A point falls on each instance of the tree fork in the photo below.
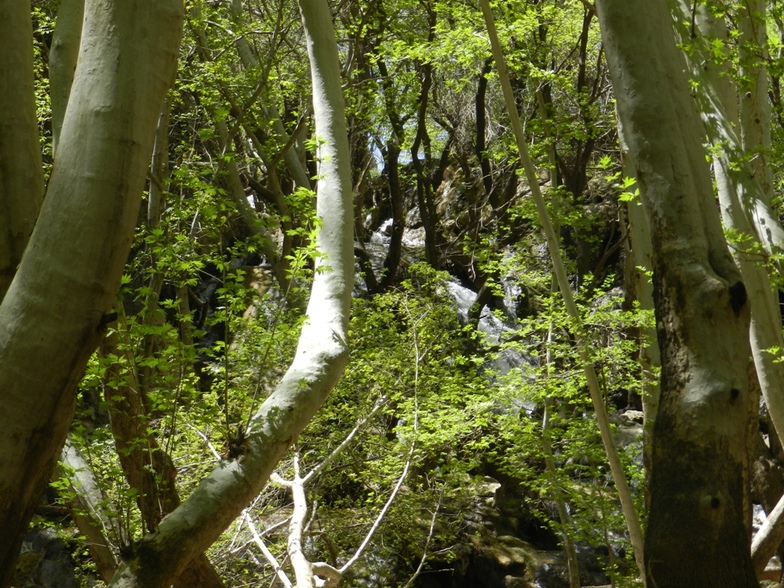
(321, 354)
(71, 268)
(696, 535)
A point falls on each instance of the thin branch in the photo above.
(303, 572)
(206, 440)
(266, 531)
(553, 245)
(381, 514)
(267, 553)
(332, 577)
(409, 458)
(418, 571)
(343, 444)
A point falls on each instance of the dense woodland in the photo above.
(495, 423)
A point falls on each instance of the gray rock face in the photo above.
(45, 562)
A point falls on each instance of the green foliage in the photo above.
(206, 328)
(553, 378)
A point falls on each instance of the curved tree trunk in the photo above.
(58, 305)
(696, 534)
(320, 358)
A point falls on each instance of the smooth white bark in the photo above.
(740, 196)
(63, 56)
(755, 110)
(768, 538)
(744, 195)
(55, 311)
(638, 278)
(696, 533)
(320, 357)
(754, 104)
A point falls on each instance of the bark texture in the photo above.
(21, 176)
(319, 360)
(58, 305)
(696, 534)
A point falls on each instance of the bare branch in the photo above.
(267, 553)
(331, 457)
(418, 571)
(331, 576)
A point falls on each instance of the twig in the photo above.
(267, 553)
(343, 444)
(413, 578)
(381, 514)
(303, 571)
(409, 459)
(206, 440)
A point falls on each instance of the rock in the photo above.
(45, 562)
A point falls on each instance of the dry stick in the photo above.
(284, 579)
(297, 487)
(361, 549)
(304, 570)
(343, 444)
(624, 494)
(768, 538)
(418, 357)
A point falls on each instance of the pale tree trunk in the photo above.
(696, 534)
(744, 194)
(295, 167)
(56, 308)
(319, 360)
(21, 175)
(741, 197)
(755, 122)
(559, 270)
(88, 511)
(639, 263)
(321, 574)
(62, 61)
(754, 103)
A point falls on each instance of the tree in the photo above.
(321, 354)
(696, 534)
(59, 299)
(483, 393)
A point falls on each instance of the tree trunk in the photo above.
(21, 175)
(148, 469)
(740, 196)
(578, 326)
(696, 534)
(63, 57)
(639, 287)
(318, 363)
(88, 512)
(58, 305)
